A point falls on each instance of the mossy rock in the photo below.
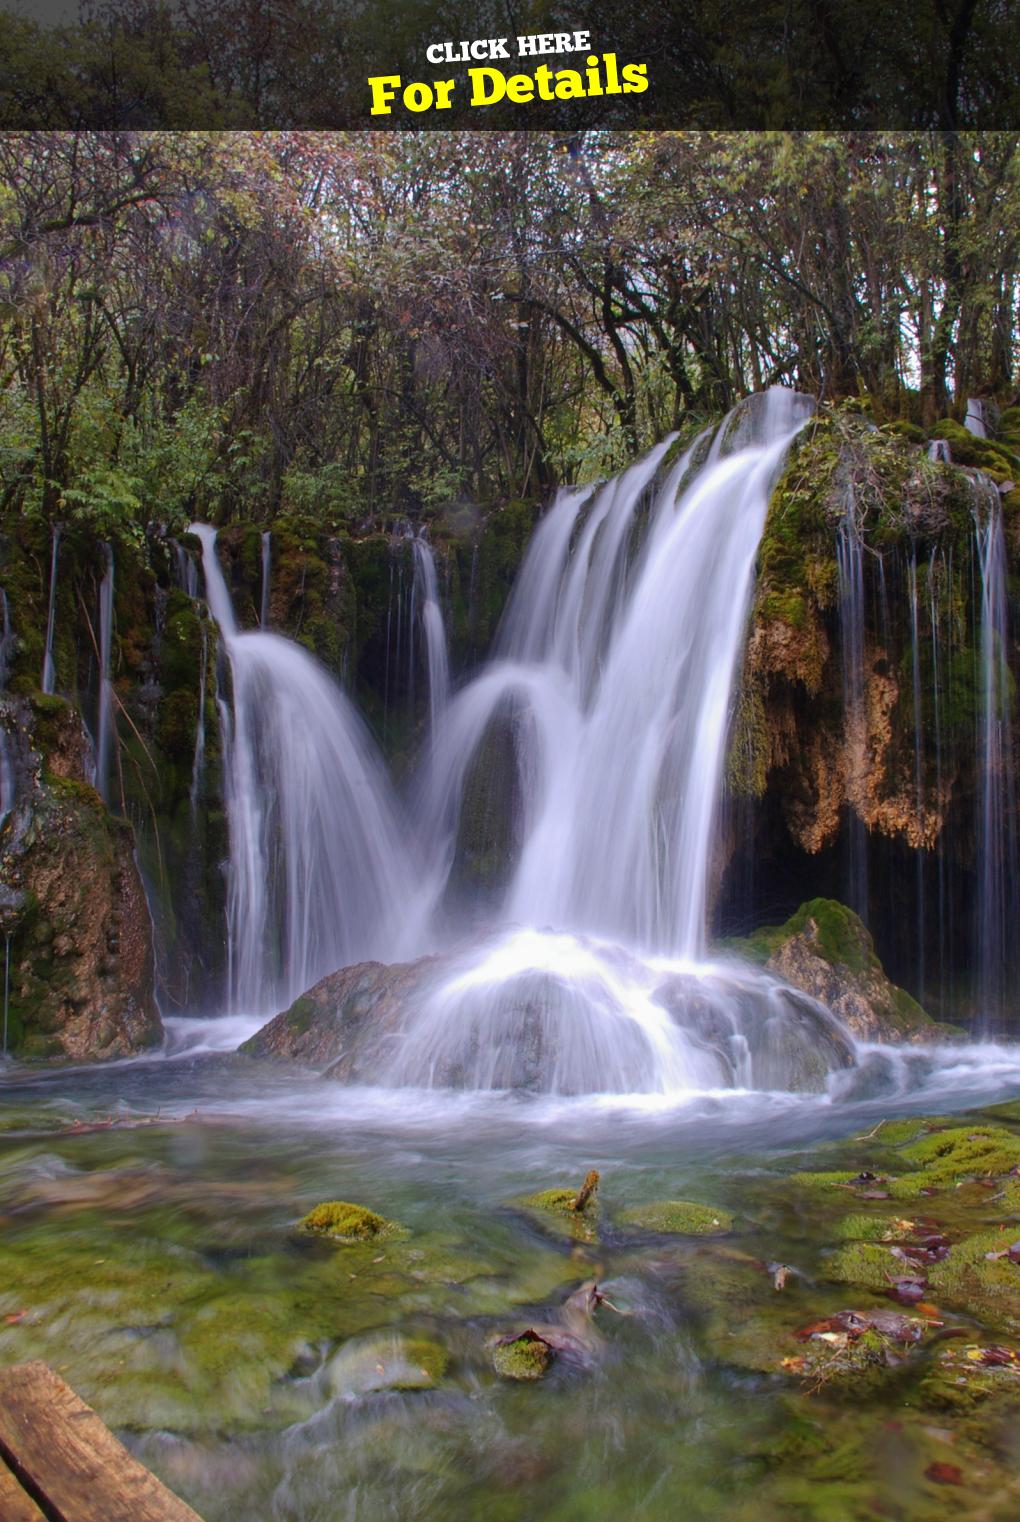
(988, 455)
(678, 1218)
(390, 1362)
(903, 429)
(343, 1222)
(825, 950)
(558, 1208)
(525, 1358)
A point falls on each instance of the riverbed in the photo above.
(152, 1254)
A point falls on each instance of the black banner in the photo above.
(397, 64)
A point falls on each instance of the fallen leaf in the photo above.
(13, 1317)
(908, 1290)
(943, 1474)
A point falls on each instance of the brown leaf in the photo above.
(998, 1358)
(943, 1474)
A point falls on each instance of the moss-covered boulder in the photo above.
(825, 950)
(336, 1024)
(81, 963)
(570, 1211)
(344, 1222)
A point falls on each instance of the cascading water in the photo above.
(997, 842)
(433, 629)
(850, 569)
(106, 721)
(974, 419)
(8, 776)
(187, 570)
(613, 675)
(267, 554)
(49, 671)
(6, 639)
(616, 663)
(319, 873)
(198, 761)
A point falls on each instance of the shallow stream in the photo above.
(263, 1373)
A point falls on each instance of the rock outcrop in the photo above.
(825, 951)
(325, 1028)
(73, 905)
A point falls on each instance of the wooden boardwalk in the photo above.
(59, 1463)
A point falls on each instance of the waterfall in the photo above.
(8, 776)
(938, 450)
(198, 764)
(426, 588)
(187, 570)
(319, 872)
(850, 572)
(6, 639)
(49, 673)
(974, 420)
(915, 679)
(106, 727)
(997, 843)
(267, 542)
(614, 669)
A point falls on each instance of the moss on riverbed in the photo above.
(677, 1218)
(179, 1299)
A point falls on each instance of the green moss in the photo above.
(989, 455)
(301, 1015)
(946, 1158)
(525, 1358)
(678, 1217)
(556, 1208)
(821, 1181)
(344, 1222)
(902, 429)
(865, 1264)
(557, 1201)
(840, 938)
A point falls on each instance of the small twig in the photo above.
(869, 1134)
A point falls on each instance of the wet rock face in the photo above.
(825, 950)
(322, 1027)
(81, 965)
(456, 1021)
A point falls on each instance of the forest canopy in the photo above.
(355, 325)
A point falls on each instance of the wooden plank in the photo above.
(69, 1461)
(16, 1505)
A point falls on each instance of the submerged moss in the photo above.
(679, 1218)
(345, 1222)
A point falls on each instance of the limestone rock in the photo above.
(320, 1028)
(826, 951)
(81, 964)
